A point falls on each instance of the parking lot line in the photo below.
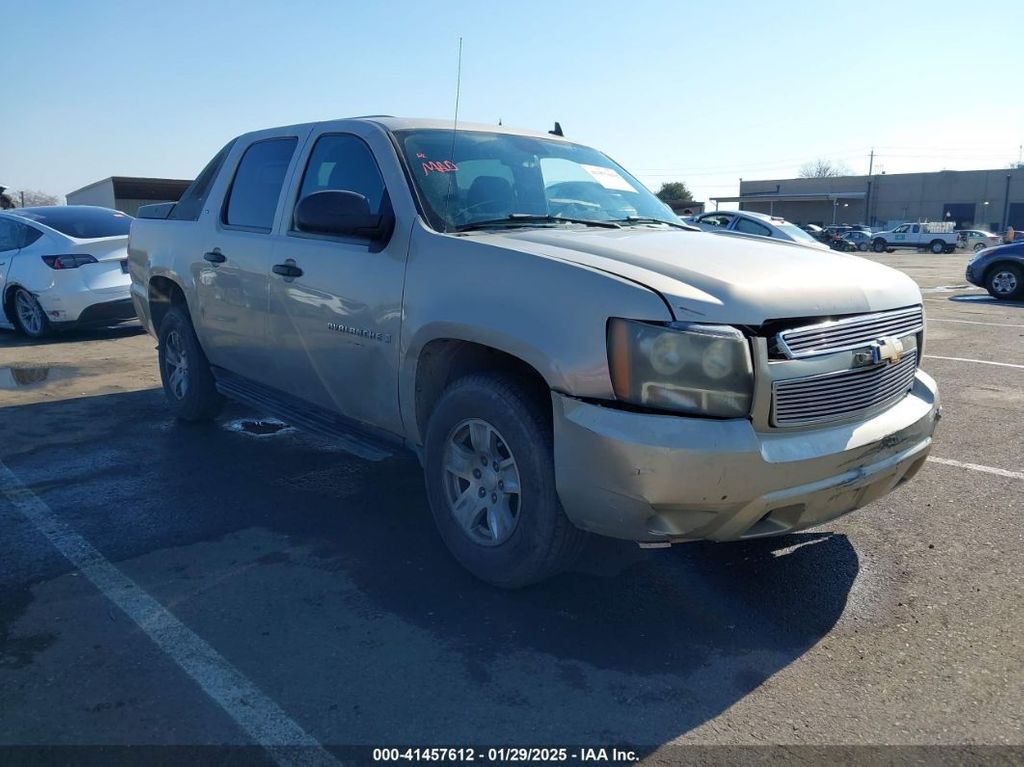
(977, 322)
(978, 467)
(262, 719)
(980, 362)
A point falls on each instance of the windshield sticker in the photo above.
(609, 178)
(437, 166)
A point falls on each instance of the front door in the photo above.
(233, 257)
(335, 327)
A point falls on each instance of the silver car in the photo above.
(747, 222)
(977, 239)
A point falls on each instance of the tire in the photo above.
(28, 316)
(184, 370)
(878, 246)
(979, 246)
(1005, 281)
(937, 246)
(862, 247)
(520, 538)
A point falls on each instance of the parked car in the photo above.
(859, 239)
(1000, 270)
(561, 358)
(63, 266)
(977, 239)
(938, 237)
(757, 224)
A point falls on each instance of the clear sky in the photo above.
(704, 93)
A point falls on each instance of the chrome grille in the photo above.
(833, 396)
(849, 333)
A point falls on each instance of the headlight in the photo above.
(692, 368)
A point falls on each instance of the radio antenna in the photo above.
(455, 128)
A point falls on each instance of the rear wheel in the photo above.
(490, 480)
(29, 317)
(184, 370)
(979, 246)
(1005, 281)
(863, 246)
(937, 246)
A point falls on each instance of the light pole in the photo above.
(984, 213)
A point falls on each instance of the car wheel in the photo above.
(1005, 281)
(878, 246)
(863, 246)
(937, 246)
(490, 479)
(979, 246)
(184, 370)
(29, 317)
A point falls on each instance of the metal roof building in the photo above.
(128, 194)
(986, 199)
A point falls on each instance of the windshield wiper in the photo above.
(526, 219)
(646, 220)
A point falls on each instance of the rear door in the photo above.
(335, 328)
(9, 245)
(232, 262)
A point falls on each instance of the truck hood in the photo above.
(708, 278)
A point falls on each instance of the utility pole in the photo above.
(23, 199)
(867, 197)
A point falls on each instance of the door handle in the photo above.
(287, 270)
(215, 256)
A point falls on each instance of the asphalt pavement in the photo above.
(163, 583)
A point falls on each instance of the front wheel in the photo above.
(1005, 282)
(184, 370)
(878, 246)
(29, 317)
(490, 479)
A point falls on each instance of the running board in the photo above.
(345, 433)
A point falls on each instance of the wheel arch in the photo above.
(162, 293)
(445, 357)
(1018, 265)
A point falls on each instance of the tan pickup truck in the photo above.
(562, 353)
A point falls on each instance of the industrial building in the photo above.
(128, 194)
(983, 199)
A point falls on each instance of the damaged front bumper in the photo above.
(663, 478)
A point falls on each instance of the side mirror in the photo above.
(339, 212)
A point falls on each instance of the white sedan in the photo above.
(63, 266)
(748, 222)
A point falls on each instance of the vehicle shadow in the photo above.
(342, 600)
(73, 335)
(986, 300)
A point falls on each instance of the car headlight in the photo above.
(688, 367)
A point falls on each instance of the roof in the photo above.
(782, 196)
(142, 188)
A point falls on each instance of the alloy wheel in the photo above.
(30, 313)
(176, 365)
(481, 482)
(1004, 283)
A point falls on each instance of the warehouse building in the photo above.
(983, 199)
(128, 194)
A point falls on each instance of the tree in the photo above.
(31, 198)
(674, 191)
(822, 168)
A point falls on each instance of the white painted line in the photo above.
(977, 322)
(246, 704)
(979, 362)
(978, 467)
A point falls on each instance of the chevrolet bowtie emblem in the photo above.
(888, 349)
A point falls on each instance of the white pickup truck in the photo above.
(938, 237)
(561, 352)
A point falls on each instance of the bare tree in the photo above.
(31, 198)
(822, 168)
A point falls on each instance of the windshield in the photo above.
(81, 222)
(522, 181)
(794, 231)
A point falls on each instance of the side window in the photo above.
(257, 184)
(9, 235)
(915, 229)
(747, 226)
(344, 162)
(901, 229)
(717, 220)
(26, 234)
(193, 199)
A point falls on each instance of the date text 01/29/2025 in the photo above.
(504, 754)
